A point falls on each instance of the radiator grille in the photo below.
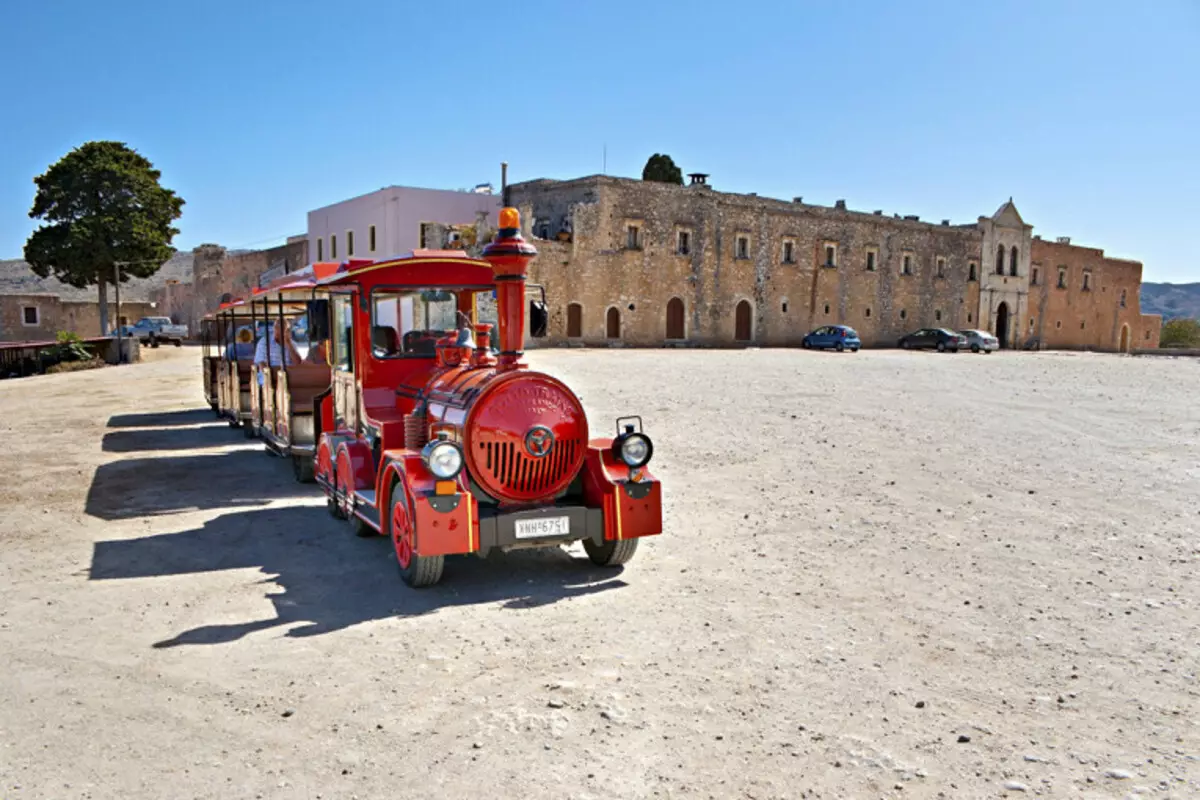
(520, 475)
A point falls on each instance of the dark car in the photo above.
(839, 337)
(938, 339)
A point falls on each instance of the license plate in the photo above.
(544, 526)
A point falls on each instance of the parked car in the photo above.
(839, 337)
(152, 330)
(981, 341)
(939, 339)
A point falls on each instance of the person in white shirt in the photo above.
(268, 350)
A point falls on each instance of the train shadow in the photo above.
(332, 579)
(148, 487)
(191, 416)
(166, 439)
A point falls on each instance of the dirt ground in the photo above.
(882, 575)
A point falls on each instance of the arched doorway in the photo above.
(574, 321)
(1124, 338)
(612, 324)
(675, 319)
(1002, 324)
(741, 321)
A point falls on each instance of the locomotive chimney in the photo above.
(509, 254)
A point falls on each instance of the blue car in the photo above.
(839, 337)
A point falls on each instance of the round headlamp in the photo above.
(444, 459)
(634, 449)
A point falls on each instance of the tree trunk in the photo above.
(102, 286)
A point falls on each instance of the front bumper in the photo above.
(498, 529)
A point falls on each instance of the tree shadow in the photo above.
(332, 579)
(191, 416)
(148, 487)
(168, 438)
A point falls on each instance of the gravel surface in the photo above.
(883, 574)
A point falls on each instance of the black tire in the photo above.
(612, 553)
(422, 571)
(839, 347)
(804, 344)
(302, 468)
(987, 352)
(248, 429)
(179, 342)
(904, 345)
(333, 508)
(941, 347)
(853, 349)
(974, 348)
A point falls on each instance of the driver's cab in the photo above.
(384, 322)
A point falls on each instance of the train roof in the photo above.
(418, 268)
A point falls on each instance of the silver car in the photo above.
(981, 341)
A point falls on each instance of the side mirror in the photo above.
(318, 320)
(539, 319)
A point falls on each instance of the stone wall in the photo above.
(55, 314)
(1091, 317)
(599, 270)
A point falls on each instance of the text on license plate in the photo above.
(545, 526)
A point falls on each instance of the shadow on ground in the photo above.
(216, 435)
(333, 579)
(148, 487)
(192, 416)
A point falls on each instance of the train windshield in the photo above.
(408, 323)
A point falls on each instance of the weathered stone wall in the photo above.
(54, 315)
(1093, 318)
(603, 275)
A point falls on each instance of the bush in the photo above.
(1181, 332)
(69, 347)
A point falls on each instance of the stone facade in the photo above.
(51, 314)
(629, 262)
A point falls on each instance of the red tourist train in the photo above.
(420, 421)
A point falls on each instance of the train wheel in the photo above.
(612, 553)
(302, 468)
(417, 571)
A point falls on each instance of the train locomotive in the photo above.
(434, 431)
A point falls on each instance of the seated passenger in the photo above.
(243, 347)
(383, 341)
(269, 350)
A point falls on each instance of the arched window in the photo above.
(1000, 259)
(742, 322)
(612, 324)
(574, 321)
(675, 312)
(1012, 262)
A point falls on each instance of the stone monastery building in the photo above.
(643, 263)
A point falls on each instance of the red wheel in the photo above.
(417, 571)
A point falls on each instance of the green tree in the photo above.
(101, 204)
(1182, 332)
(661, 168)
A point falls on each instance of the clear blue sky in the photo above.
(1087, 113)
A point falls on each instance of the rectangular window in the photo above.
(871, 256)
(29, 315)
(742, 249)
(906, 265)
(937, 315)
(343, 334)
(1033, 276)
(1062, 277)
(409, 323)
(941, 267)
(349, 243)
(683, 243)
(333, 245)
(320, 249)
(789, 252)
(633, 239)
(1087, 281)
(371, 238)
(830, 255)
(971, 271)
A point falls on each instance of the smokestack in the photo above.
(504, 183)
(509, 254)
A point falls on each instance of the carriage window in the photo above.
(343, 331)
(409, 323)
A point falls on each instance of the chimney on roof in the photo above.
(698, 178)
(945, 222)
(840, 205)
(878, 212)
(1037, 236)
(797, 199)
(1064, 240)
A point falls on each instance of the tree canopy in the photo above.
(660, 167)
(1182, 332)
(101, 203)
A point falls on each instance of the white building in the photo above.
(390, 222)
